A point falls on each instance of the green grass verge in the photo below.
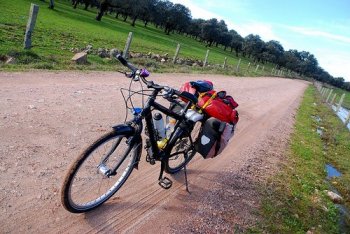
(58, 31)
(295, 201)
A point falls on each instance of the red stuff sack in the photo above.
(219, 105)
(196, 87)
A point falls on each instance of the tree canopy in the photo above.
(177, 18)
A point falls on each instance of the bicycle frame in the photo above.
(146, 114)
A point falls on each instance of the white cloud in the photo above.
(197, 11)
(317, 33)
(262, 29)
(336, 63)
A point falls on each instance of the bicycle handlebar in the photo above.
(144, 73)
(126, 63)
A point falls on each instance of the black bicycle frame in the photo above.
(146, 113)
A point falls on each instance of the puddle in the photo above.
(342, 114)
(332, 171)
(344, 214)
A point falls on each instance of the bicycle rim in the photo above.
(86, 186)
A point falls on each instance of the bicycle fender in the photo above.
(124, 129)
(138, 150)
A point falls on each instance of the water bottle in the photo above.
(159, 125)
(170, 126)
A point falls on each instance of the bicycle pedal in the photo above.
(165, 183)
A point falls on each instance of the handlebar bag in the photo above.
(214, 137)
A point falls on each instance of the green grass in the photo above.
(59, 30)
(295, 201)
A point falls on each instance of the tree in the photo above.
(210, 31)
(236, 42)
(195, 28)
(253, 46)
(274, 52)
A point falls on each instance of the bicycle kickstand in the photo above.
(186, 181)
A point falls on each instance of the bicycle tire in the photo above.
(182, 152)
(76, 183)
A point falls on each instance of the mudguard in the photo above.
(138, 150)
(127, 130)
(124, 129)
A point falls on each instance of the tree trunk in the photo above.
(133, 21)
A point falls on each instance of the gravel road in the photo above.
(47, 118)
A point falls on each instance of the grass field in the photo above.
(59, 30)
(295, 201)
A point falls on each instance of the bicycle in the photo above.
(121, 147)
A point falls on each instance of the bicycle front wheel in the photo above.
(87, 183)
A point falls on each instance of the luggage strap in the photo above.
(207, 102)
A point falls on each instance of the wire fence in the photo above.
(330, 98)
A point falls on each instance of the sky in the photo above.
(321, 27)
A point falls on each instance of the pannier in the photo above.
(214, 137)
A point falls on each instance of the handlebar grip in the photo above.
(122, 60)
(126, 63)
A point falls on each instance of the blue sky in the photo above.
(321, 27)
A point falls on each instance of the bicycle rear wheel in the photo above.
(86, 185)
(182, 151)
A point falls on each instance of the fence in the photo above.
(242, 66)
(330, 97)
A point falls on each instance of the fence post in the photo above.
(273, 69)
(33, 13)
(177, 52)
(248, 66)
(333, 98)
(329, 95)
(225, 61)
(340, 102)
(325, 93)
(206, 59)
(263, 68)
(257, 67)
(127, 46)
(51, 4)
(239, 63)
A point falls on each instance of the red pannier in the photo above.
(219, 105)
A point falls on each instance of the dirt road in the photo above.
(47, 118)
